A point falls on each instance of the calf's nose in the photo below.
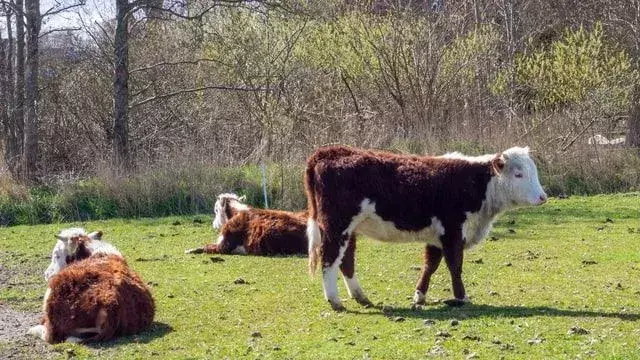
(543, 198)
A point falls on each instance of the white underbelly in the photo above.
(367, 222)
(374, 227)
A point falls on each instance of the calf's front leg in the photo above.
(453, 251)
(432, 258)
(207, 249)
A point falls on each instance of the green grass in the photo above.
(569, 266)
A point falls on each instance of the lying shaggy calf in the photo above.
(245, 230)
(92, 293)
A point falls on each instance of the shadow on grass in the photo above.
(155, 331)
(444, 312)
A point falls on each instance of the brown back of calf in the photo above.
(98, 292)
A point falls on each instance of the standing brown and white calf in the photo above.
(448, 202)
(92, 294)
(246, 230)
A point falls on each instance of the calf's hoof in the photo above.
(194, 251)
(364, 301)
(457, 302)
(337, 306)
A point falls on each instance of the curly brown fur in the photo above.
(260, 232)
(99, 293)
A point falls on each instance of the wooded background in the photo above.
(155, 86)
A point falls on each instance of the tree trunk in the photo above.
(18, 100)
(30, 152)
(7, 131)
(121, 160)
(12, 139)
(633, 122)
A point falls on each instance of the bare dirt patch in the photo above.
(14, 341)
(14, 324)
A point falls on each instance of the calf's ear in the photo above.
(497, 164)
(96, 235)
(242, 198)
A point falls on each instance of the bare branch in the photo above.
(186, 91)
(177, 14)
(567, 146)
(54, 10)
(105, 33)
(143, 4)
(173, 63)
(11, 5)
(95, 40)
(57, 30)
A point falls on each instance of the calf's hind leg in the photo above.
(106, 325)
(348, 273)
(332, 255)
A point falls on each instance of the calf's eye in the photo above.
(519, 176)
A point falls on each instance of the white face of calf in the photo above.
(220, 208)
(66, 247)
(220, 214)
(58, 260)
(518, 177)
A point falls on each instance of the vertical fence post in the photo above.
(264, 184)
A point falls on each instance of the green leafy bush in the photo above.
(580, 63)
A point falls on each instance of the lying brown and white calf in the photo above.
(92, 293)
(447, 202)
(246, 230)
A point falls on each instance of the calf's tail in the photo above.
(313, 230)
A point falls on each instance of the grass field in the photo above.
(572, 263)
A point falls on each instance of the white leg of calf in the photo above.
(74, 340)
(330, 284)
(239, 250)
(355, 291)
(353, 286)
(419, 297)
(330, 279)
(44, 300)
(38, 331)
